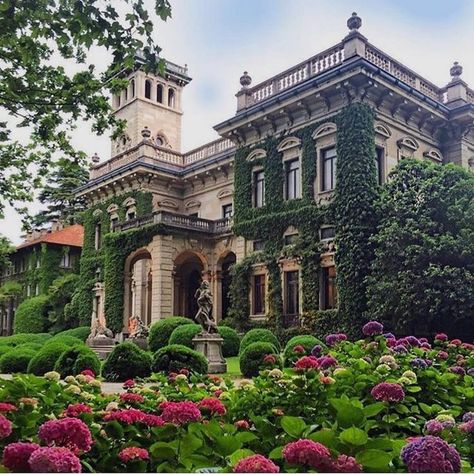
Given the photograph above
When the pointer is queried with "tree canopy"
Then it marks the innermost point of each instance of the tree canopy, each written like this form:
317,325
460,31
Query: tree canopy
38,91
6,248
422,277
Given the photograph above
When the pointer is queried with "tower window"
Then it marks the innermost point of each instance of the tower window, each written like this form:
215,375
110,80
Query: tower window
147,89
379,164
171,98
132,88
159,93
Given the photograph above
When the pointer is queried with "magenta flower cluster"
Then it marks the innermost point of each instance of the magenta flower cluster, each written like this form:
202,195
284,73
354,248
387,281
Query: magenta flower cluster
132,415
333,339
71,433
388,392
16,456
54,459
256,463
77,409
372,328
180,413
212,406
306,363
132,398
5,427
306,452
133,453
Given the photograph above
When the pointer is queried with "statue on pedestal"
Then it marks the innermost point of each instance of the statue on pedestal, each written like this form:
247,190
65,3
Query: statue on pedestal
136,328
204,315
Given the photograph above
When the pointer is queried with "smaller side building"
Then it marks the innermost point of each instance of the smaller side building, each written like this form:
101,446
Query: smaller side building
45,255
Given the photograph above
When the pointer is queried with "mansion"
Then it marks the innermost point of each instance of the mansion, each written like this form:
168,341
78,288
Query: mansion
160,220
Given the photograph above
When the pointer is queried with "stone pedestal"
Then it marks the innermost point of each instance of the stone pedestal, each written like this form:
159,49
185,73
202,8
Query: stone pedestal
101,345
211,346
141,342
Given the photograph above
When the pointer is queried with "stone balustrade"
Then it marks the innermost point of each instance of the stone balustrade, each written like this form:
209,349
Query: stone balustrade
209,149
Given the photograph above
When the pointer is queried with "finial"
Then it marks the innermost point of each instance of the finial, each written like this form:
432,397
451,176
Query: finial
146,134
354,22
245,80
95,158
455,71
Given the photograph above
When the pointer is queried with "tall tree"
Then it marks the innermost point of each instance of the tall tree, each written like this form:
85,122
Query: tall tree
6,248
422,276
38,40
58,193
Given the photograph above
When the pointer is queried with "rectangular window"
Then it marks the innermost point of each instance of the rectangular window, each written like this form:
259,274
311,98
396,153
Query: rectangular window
329,288
328,163
379,152
259,189
327,233
292,297
291,239
258,245
259,294
98,236
292,179
113,222
227,211
37,289
65,261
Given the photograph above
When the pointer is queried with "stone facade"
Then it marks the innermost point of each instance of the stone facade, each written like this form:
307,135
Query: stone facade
193,192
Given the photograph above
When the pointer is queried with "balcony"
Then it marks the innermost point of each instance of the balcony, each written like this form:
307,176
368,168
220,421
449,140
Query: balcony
177,221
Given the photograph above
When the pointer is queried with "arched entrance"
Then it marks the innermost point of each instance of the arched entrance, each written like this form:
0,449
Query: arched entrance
226,279
189,268
139,281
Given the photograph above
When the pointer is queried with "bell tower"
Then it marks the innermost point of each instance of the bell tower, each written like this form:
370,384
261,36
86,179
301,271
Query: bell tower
151,101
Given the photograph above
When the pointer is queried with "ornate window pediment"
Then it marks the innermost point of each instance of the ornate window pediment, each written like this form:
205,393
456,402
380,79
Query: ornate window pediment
256,154
409,143
383,130
223,193
97,213
288,143
112,208
129,202
168,203
192,204
324,129
433,155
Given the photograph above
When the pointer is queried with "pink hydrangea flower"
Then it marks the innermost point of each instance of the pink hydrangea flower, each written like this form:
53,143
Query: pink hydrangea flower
55,459
16,455
152,420
345,463
127,417
242,424
212,405
306,452
5,427
180,413
88,373
256,463
77,409
443,355
6,407
130,383
467,426
441,337
388,392
326,361
133,453
270,359
71,433
306,363
129,397
299,349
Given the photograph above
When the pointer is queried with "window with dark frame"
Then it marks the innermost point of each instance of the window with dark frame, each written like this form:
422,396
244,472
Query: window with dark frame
328,165
292,179
290,239
329,288
379,155
258,245
327,233
259,189
292,293
258,294
227,211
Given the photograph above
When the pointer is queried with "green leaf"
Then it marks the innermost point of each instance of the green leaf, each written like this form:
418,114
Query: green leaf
374,459
276,453
293,426
324,436
350,415
246,436
354,436
236,456
373,409
161,450
188,444
226,445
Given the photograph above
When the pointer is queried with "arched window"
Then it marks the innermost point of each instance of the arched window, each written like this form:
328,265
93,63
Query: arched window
159,93
132,88
125,95
148,89
171,98
117,101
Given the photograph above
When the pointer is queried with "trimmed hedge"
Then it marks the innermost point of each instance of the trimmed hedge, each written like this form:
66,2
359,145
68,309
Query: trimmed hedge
231,344
76,359
184,335
4,349
45,360
259,335
16,360
31,315
81,332
126,361
251,358
69,341
24,338
175,357
161,331
34,346
308,342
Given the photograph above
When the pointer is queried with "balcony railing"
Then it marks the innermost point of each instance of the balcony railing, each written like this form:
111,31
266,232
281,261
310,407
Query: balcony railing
179,221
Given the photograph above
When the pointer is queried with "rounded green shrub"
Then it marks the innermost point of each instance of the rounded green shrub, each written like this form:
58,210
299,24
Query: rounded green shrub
24,338
251,358
45,360
161,331
34,346
259,335
184,335
4,349
175,357
76,359
126,361
31,316
16,360
67,340
82,333
231,344
308,342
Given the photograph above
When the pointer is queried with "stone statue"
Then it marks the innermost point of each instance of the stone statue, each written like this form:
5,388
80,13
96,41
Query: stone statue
136,328
98,329
204,315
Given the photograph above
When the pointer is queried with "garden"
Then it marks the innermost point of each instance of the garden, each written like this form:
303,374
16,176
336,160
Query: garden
377,404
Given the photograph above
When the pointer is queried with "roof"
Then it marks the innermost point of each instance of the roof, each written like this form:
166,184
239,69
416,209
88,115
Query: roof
72,236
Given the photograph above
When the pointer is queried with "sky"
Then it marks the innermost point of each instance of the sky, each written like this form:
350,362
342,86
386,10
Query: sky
219,39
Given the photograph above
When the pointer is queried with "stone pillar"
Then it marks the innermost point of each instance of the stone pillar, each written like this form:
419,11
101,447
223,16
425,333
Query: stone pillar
354,42
217,292
211,346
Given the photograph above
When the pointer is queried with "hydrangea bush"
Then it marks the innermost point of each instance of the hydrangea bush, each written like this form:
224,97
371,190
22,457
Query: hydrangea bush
377,404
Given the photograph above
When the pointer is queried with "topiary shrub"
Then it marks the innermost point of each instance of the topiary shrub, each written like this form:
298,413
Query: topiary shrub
259,335
76,359
184,335
34,346
175,357
161,331
67,340
45,360
126,361
24,338
16,360
31,316
251,358
307,342
4,349
82,333
231,344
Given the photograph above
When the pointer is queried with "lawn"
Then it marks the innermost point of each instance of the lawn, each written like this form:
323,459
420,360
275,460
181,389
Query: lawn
233,367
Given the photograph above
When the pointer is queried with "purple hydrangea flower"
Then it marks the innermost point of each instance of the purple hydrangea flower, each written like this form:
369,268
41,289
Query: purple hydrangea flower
425,345
455,369
468,416
419,363
327,361
372,328
433,427
467,427
470,371
399,349
389,335
316,350
333,339
413,341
